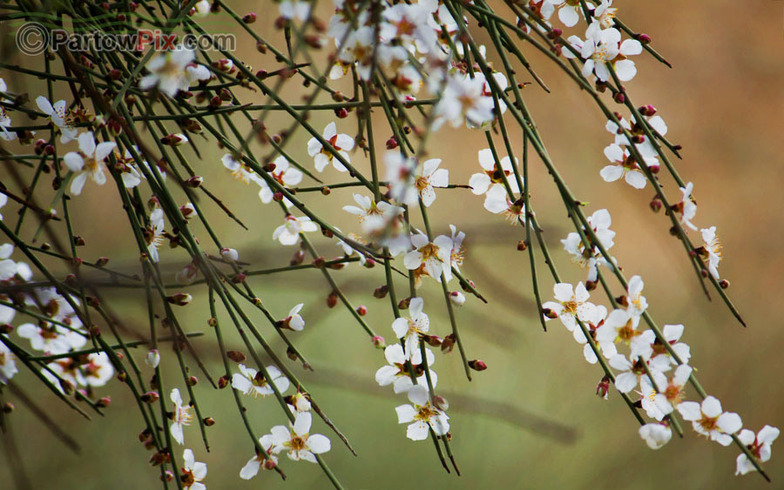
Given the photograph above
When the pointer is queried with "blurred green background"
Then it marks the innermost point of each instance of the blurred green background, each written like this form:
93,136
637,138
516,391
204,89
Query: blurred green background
531,420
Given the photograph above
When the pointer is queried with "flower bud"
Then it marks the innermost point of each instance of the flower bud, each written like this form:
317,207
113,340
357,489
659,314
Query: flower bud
332,299
381,292
223,382
522,246
153,358
269,464
643,38
362,310
236,356
195,181
249,18
379,342
188,211
656,205
477,365
174,139
441,403
209,421
229,254
457,298
392,143
448,343
603,388
150,397
549,314
724,284
179,299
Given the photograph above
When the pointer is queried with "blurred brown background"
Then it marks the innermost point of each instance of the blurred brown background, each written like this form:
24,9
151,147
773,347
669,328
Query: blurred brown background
723,101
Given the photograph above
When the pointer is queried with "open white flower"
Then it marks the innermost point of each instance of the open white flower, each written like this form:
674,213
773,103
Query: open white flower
51,338
397,372
655,435
339,143
172,71
97,371
7,364
240,171
296,440
435,256
409,329
758,444
709,420
463,101
623,165
284,174
400,176
687,207
153,234
294,321
288,232
253,383
602,47
600,222
629,372
58,115
427,176
712,248
571,303
181,416
373,216
193,472
421,415
660,401
490,182
88,162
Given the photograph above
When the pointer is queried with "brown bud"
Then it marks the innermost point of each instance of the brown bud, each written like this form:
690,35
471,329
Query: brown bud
236,356
223,382
522,245
332,299
361,310
249,18
209,421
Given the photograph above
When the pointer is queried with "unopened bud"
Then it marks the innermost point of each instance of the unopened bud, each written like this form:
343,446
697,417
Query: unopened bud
549,314
223,382
174,139
150,397
656,205
603,388
457,298
379,342
643,38
236,356
249,18
195,181
209,421
441,403
193,380
179,299
724,284
153,358
448,343
332,299
229,254
522,245
381,292
361,310
477,365
392,143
